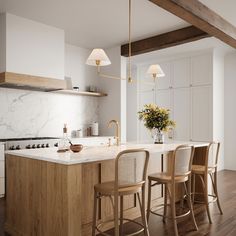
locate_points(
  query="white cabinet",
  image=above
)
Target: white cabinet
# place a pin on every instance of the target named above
(2, 157)
(202, 113)
(181, 111)
(181, 73)
(164, 82)
(201, 70)
(164, 98)
(145, 97)
(146, 81)
(187, 90)
(2, 170)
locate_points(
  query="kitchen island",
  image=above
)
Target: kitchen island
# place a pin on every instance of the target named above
(50, 193)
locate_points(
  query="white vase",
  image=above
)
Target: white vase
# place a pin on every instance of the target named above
(158, 136)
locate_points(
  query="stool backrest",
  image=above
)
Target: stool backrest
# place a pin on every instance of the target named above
(131, 167)
(212, 154)
(181, 162)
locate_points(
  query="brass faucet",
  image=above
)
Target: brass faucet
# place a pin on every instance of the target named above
(117, 135)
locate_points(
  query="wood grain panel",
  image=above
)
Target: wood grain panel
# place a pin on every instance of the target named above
(199, 15)
(43, 198)
(166, 40)
(90, 177)
(9, 79)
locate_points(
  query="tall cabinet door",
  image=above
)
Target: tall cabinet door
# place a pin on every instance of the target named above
(164, 99)
(181, 73)
(164, 82)
(201, 70)
(181, 110)
(202, 113)
(145, 97)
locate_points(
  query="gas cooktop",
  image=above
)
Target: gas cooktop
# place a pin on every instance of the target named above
(30, 143)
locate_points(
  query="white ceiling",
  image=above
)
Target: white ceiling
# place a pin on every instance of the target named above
(104, 23)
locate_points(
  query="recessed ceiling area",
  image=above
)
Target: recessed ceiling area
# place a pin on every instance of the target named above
(104, 23)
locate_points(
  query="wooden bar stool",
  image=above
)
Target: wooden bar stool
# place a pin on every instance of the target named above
(179, 173)
(130, 178)
(203, 171)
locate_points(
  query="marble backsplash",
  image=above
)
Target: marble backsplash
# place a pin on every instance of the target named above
(39, 114)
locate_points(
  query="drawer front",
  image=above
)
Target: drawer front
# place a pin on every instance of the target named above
(2, 169)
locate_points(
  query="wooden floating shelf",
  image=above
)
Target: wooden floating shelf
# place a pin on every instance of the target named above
(80, 93)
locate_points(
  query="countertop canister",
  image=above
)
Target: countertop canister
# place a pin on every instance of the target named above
(94, 127)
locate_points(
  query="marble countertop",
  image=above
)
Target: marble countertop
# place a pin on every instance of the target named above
(95, 153)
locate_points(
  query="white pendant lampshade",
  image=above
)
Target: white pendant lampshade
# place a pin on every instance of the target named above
(155, 71)
(98, 57)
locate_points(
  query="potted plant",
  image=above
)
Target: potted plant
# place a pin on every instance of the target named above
(156, 119)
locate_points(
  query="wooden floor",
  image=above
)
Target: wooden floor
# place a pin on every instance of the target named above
(223, 225)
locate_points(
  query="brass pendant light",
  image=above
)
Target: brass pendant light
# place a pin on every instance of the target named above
(99, 58)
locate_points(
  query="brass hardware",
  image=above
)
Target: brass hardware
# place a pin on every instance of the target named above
(129, 77)
(154, 76)
(98, 62)
(117, 135)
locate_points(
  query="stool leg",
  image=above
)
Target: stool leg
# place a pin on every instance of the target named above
(194, 186)
(190, 205)
(165, 205)
(149, 199)
(205, 190)
(121, 214)
(216, 192)
(94, 213)
(182, 197)
(116, 214)
(142, 209)
(173, 210)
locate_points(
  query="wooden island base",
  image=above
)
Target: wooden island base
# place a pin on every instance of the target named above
(45, 198)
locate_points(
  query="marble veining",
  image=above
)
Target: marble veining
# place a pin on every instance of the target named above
(96, 153)
(34, 114)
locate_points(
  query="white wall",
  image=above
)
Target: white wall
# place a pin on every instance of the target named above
(81, 74)
(132, 106)
(123, 98)
(34, 48)
(2, 43)
(112, 107)
(218, 103)
(230, 111)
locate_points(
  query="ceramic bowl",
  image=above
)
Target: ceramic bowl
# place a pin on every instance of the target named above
(76, 147)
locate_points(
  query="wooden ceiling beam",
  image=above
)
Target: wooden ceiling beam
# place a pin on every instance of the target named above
(165, 40)
(199, 15)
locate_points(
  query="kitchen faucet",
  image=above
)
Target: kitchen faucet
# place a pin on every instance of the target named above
(117, 135)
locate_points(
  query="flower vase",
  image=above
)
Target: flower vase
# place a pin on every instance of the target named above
(158, 136)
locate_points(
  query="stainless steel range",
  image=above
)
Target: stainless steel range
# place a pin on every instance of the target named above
(30, 143)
